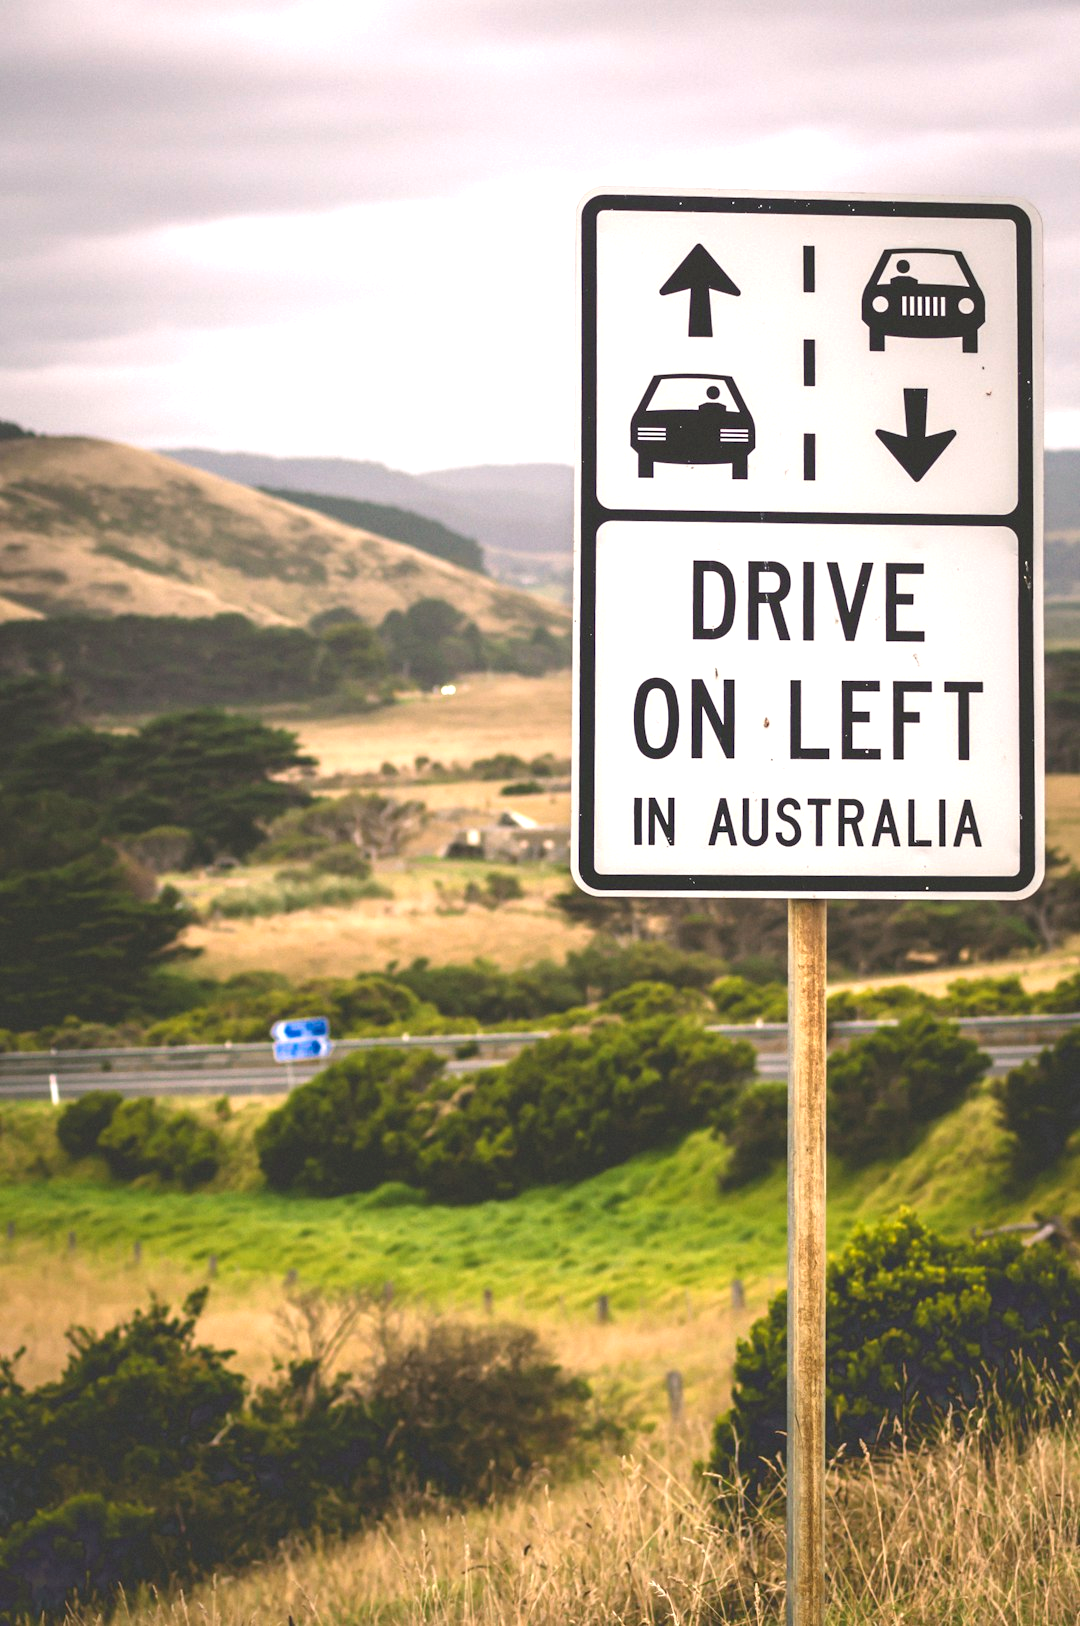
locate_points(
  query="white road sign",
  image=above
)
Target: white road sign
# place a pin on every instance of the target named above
(809, 629)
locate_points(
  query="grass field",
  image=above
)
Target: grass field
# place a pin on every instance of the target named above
(947, 1536)
(487, 714)
(428, 915)
(655, 1235)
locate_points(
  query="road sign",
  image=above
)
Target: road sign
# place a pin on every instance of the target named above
(301, 1038)
(809, 548)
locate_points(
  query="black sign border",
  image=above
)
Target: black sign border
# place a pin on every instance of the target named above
(592, 514)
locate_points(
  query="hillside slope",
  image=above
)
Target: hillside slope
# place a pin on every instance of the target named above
(522, 514)
(647, 1233)
(94, 527)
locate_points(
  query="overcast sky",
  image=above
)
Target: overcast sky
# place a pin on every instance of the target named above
(347, 227)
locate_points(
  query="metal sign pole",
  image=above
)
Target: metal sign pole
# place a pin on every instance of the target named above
(806, 1263)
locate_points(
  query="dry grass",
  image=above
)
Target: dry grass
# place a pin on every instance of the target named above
(370, 934)
(1063, 813)
(94, 525)
(952, 1536)
(489, 713)
(45, 1292)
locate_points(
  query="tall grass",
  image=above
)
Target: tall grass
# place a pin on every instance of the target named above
(951, 1535)
(288, 894)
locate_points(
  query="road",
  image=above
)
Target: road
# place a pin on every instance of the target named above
(250, 1070)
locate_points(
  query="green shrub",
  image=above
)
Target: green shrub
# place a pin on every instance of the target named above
(149, 1458)
(895, 999)
(351, 1127)
(483, 991)
(917, 1328)
(86, 1548)
(1064, 997)
(885, 1088)
(574, 1104)
(81, 1122)
(291, 892)
(244, 1008)
(1039, 1105)
(986, 996)
(469, 1409)
(757, 1132)
(145, 1137)
(562, 1109)
(498, 888)
(738, 1000)
(642, 1001)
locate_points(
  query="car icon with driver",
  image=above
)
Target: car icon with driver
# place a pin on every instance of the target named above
(692, 418)
(923, 293)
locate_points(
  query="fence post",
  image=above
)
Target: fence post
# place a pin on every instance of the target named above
(738, 1295)
(603, 1309)
(674, 1383)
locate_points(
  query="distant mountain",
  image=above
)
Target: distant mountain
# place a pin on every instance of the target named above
(522, 515)
(1063, 491)
(89, 526)
(398, 524)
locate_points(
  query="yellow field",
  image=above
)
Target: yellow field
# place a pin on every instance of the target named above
(46, 1292)
(489, 713)
(428, 914)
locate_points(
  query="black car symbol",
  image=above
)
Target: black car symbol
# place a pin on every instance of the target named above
(923, 293)
(692, 418)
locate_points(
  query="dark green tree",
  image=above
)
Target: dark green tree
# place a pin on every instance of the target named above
(210, 772)
(884, 1089)
(74, 941)
(917, 1328)
(432, 641)
(1039, 1106)
(757, 1132)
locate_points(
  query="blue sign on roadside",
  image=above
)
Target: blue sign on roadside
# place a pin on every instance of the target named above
(301, 1038)
(301, 1049)
(302, 1027)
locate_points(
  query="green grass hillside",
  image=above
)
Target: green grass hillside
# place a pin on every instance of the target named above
(646, 1234)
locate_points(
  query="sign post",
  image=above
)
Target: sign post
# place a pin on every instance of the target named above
(806, 1262)
(808, 658)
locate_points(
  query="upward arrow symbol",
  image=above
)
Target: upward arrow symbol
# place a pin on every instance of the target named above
(700, 274)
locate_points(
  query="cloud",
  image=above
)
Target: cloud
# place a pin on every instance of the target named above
(200, 168)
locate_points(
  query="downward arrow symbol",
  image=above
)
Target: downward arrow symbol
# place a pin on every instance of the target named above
(915, 450)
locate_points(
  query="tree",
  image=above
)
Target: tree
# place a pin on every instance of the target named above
(75, 942)
(917, 1328)
(1039, 1105)
(209, 771)
(432, 641)
(375, 826)
(884, 1089)
(758, 1132)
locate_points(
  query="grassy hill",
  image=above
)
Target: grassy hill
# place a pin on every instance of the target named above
(92, 526)
(646, 1233)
